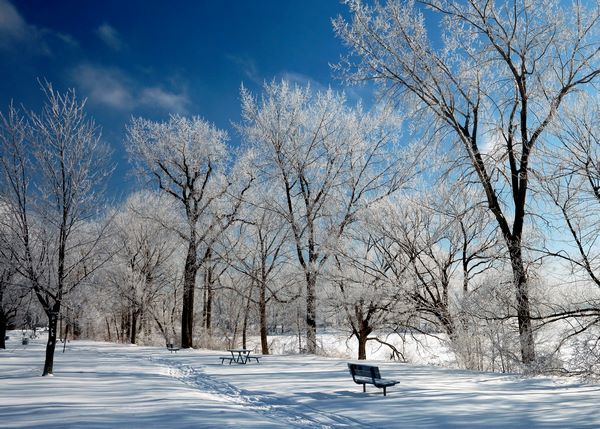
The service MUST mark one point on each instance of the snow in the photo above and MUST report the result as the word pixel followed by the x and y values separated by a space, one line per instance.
pixel 102 385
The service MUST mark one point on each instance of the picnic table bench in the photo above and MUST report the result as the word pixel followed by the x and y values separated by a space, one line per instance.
pixel 241 356
pixel 369 374
pixel 172 348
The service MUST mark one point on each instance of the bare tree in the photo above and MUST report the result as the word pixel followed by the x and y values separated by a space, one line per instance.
pixel 258 249
pixel 53 165
pixel 141 270
pixel 11 295
pixel 362 288
pixel 419 256
pixel 493 84
pixel 570 181
pixel 327 160
pixel 186 158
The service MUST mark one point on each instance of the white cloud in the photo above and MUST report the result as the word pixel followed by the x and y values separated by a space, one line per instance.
pixel 17 34
pixel 109 35
pixel 12 24
pixel 105 86
pixel 169 101
pixel 113 88
pixel 67 39
pixel 248 67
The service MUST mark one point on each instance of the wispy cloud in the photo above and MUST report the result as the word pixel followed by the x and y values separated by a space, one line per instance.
pixel 105 86
pixel 114 88
pixel 169 101
pixel 247 66
pixel 67 39
pixel 110 36
pixel 17 34
pixel 12 24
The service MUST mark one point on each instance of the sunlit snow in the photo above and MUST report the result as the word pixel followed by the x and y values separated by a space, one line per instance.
pixel 102 385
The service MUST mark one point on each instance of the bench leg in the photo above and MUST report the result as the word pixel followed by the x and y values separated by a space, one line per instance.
pixel 384 391
pixel 364 388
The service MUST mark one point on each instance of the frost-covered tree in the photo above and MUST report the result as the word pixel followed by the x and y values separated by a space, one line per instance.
pixel 142 271
pixel 488 88
pixel 187 159
pixel 53 166
pixel 259 246
pixel 364 293
pixel 10 295
pixel 11 292
pixel 571 183
pixel 422 255
pixel 417 258
pixel 326 161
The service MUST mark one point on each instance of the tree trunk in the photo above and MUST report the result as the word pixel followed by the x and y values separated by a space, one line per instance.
pixel 66 337
pixel 60 327
pixel 209 298
pixel 244 328
pixel 126 331
pixel 108 329
pixel 311 320
pixel 362 347
pixel 363 332
pixel 189 285
pixel 134 323
pixel 117 330
pixel 262 310
pixel 52 332
pixel 3 323
pixel 523 308
pixel 246 316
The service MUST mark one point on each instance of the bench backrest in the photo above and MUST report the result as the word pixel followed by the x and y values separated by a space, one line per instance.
pixel 369 371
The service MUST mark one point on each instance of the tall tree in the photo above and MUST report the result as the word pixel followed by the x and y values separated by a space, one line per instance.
pixel 494 79
pixel 186 158
pixel 363 289
pixel 327 161
pixel 571 182
pixel 11 295
pixel 259 249
pixel 53 165
pixel 141 271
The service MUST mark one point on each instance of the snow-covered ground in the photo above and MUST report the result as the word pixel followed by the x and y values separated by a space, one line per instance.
pixel 101 385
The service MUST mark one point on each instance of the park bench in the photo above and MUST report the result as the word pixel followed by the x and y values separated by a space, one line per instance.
pixel 368 374
pixel 172 348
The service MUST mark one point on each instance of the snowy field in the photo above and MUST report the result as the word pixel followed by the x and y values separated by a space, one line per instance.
pixel 101 385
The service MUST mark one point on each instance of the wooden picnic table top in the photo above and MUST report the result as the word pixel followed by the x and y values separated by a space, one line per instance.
pixel 239 350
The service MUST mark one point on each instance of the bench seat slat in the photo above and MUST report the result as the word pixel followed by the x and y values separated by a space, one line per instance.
pixel 382 382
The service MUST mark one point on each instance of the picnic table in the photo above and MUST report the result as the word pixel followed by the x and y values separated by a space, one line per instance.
pixel 239 355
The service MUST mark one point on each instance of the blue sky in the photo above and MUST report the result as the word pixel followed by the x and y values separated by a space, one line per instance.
pixel 152 58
